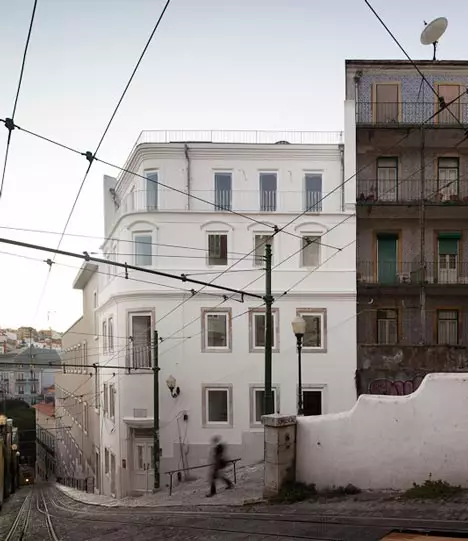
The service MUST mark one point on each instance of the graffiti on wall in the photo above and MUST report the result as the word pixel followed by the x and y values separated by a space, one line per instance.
pixel 395 387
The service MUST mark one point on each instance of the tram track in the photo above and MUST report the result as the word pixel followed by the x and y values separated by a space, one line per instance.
pixel 20 524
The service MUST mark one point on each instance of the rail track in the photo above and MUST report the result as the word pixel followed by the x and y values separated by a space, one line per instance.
pixel 20 525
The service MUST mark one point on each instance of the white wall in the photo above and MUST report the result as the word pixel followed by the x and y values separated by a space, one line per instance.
pixel 388 442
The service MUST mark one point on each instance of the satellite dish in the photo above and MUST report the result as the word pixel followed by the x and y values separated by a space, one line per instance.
pixel 433 32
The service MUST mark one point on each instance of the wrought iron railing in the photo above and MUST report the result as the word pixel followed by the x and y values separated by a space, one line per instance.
pixel 408 190
pixel 138 356
pixel 411 113
pixel 448 271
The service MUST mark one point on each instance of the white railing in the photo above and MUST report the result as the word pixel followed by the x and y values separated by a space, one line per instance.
pixel 244 201
pixel 258 137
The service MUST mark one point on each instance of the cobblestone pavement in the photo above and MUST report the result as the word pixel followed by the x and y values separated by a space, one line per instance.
pixel 322 520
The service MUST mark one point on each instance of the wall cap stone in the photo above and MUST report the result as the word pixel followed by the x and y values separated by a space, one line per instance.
pixel 277 420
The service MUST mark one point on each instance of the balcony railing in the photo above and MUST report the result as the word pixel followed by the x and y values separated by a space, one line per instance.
pixel 257 137
pixel 226 200
pixel 407 191
pixel 407 327
pixel 452 272
pixel 411 113
pixel 138 356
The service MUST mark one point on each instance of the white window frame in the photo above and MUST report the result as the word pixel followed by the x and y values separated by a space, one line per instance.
pixel 146 191
pixel 95 315
pixel 204 335
pixel 322 313
pixel 307 173
pixel 106 461
pixel 322 387
pixel 254 388
pixel 85 417
pixel 259 261
pixel 110 332
pixel 104 335
pixel 253 312
pixel 303 249
pixel 211 233
pixel 146 233
pixel 130 316
pixel 105 406
pixel 112 393
pixel 206 388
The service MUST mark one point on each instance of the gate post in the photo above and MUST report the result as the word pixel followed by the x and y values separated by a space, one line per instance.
pixel 280 452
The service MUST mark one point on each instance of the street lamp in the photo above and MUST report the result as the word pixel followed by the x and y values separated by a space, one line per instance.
pixel 171 385
pixel 299 328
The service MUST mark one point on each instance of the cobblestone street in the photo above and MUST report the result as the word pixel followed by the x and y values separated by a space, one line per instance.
pixel 44 512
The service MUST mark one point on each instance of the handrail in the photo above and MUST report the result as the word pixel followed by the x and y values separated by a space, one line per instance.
pixel 232 461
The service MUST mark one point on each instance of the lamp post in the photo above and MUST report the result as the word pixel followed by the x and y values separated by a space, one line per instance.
pixel 299 327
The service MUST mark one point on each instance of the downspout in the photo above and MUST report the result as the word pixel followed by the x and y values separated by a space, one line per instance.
pixel 341 147
pixel 187 157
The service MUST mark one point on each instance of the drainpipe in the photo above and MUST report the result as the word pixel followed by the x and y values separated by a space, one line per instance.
pixel 342 177
pixel 187 156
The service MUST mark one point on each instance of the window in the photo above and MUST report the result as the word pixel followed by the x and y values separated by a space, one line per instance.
pixel 448 176
pixel 451 114
pixel 143 249
pixel 312 401
pixel 106 399
pixel 313 192
pixel 20 389
pixel 447 327
pixel 33 389
pixel 97 390
pixel 96 322
pixel 314 337
pixel 97 470
pixel 223 191
pixel 257 398
pixel 112 401
pixel 448 247
pixel 260 241
pixel 217 405
pixel 106 461
pixel 387 179
pixel 216 330
pixel 151 190
pixel 217 249
pixel 110 330
pixel 85 355
pixel 387 103
pixel 257 325
pixel 268 186
pixel 104 336
pixel 85 417
pixel 387 326
pixel 140 349
pixel 310 251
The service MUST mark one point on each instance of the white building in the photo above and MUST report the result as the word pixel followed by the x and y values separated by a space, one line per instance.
pixel 214 347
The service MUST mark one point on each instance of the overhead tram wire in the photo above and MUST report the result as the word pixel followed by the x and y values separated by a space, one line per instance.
pixel 90 157
pixel 10 122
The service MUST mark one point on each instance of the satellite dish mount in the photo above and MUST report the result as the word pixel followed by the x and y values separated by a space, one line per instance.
pixel 433 32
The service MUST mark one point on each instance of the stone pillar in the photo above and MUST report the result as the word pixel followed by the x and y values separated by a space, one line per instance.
pixel 280 452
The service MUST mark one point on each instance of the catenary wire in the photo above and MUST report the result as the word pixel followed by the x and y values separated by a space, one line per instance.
pixel 9 124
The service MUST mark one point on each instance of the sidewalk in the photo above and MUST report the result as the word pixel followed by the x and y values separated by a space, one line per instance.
pixel 249 489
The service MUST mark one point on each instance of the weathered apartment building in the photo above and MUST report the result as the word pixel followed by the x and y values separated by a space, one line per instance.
pixel 412 221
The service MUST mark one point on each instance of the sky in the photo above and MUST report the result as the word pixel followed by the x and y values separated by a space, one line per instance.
pixel 213 64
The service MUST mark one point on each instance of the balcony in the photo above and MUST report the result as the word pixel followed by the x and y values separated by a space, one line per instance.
pixel 444 273
pixel 247 201
pixel 408 192
pixel 393 115
pixel 138 356
pixel 249 137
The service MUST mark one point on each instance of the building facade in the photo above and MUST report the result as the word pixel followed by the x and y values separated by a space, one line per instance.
pixel 77 394
pixel 198 208
pixel 45 440
pixel 412 228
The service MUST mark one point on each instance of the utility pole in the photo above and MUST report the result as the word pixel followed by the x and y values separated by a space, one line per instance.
pixel 156 410
pixel 268 394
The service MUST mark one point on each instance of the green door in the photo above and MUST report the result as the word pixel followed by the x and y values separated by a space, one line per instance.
pixel 387 258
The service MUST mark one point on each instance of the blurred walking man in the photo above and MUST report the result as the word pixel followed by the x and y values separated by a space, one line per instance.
pixel 219 463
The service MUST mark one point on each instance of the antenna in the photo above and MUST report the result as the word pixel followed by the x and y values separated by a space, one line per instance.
pixel 433 32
